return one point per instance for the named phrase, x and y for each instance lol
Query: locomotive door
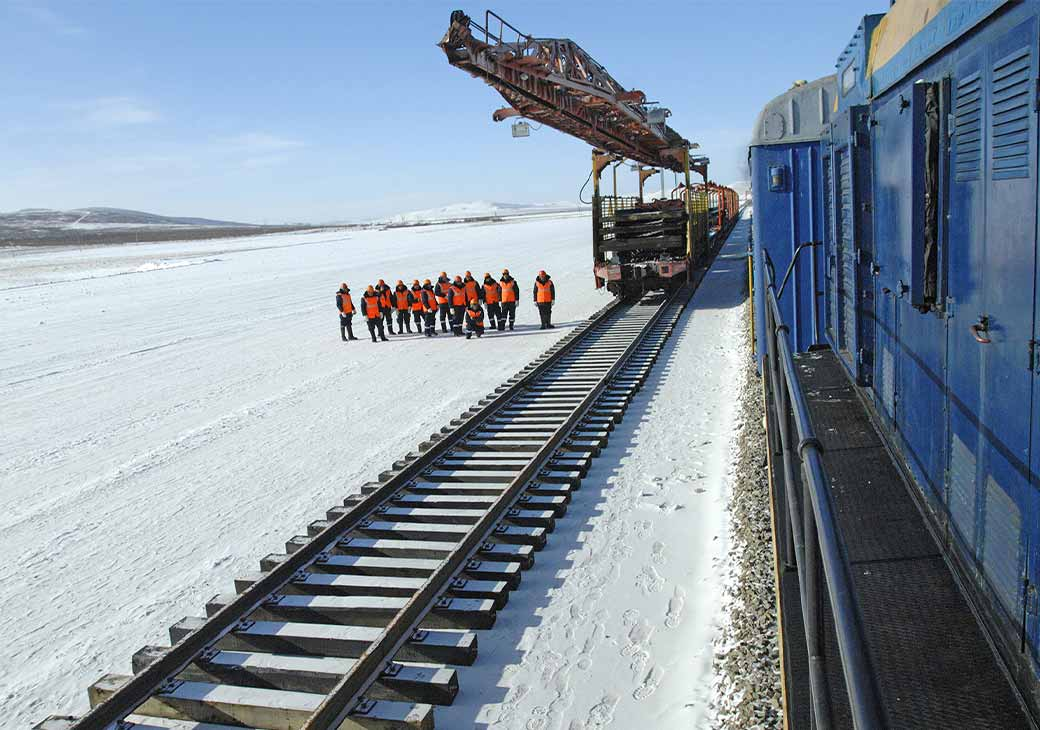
(992, 235)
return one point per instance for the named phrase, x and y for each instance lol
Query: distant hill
(87, 218)
(477, 210)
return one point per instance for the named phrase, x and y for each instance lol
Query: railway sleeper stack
(274, 666)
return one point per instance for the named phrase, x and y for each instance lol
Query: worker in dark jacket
(472, 287)
(544, 297)
(373, 309)
(457, 297)
(443, 299)
(346, 312)
(493, 301)
(474, 319)
(403, 306)
(431, 305)
(386, 304)
(510, 298)
(417, 306)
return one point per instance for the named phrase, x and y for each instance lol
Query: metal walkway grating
(933, 664)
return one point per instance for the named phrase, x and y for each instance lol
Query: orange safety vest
(384, 298)
(417, 305)
(544, 291)
(441, 292)
(430, 299)
(458, 295)
(372, 305)
(491, 293)
(472, 289)
(402, 300)
(509, 291)
(477, 315)
(346, 304)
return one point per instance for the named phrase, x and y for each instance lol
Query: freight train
(898, 197)
(641, 245)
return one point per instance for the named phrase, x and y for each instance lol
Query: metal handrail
(790, 266)
(809, 536)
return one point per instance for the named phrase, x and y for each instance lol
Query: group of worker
(460, 303)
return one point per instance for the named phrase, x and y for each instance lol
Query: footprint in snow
(657, 553)
(602, 714)
(649, 580)
(650, 683)
(675, 608)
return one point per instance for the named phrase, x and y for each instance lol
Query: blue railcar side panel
(784, 220)
(964, 413)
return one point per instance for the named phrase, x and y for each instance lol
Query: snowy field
(173, 412)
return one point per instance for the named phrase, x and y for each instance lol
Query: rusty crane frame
(554, 82)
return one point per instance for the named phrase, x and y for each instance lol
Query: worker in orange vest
(443, 299)
(472, 287)
(493, 300)
(544, 297)
(346, 312)
(373, 308)
(457, 298)
(417, 306)
(431, 304)
(474, 319)
(510, 298)
(386, 305)
(403, 305)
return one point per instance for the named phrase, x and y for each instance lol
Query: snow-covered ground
(483, 209)
(173, 412)
(614, 624)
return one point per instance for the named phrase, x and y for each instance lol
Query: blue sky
(318, 111)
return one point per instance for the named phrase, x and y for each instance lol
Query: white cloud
(117, 111)
(49, 19)
(263, 142)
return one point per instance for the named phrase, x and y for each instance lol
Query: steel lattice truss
(554, 82)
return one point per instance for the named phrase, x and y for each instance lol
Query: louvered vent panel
(1009, 116)
(967, 127)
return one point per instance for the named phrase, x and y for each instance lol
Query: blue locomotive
(895, 209)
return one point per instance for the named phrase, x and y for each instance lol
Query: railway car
(643, 245)
(897, 202)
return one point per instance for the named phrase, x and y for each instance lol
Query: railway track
(361, 621)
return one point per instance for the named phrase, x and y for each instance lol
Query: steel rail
(339, 703)
(135, 692)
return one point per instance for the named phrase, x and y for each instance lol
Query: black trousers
(445, 310)
(373, 325)
(494, 313)
(417, 316)
(431, 324)
(508, 312)
(388, 319)
(403, 322)
(458, 316)
(474, 329)
(346, 328)
(545, 313)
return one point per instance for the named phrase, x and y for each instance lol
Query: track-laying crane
(637, 246)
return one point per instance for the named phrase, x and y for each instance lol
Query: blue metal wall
(964, 414)
(783, 220)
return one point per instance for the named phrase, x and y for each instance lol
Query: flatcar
(898, 197)
(641, 245)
